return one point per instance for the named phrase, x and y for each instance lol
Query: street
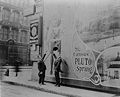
(8, 90)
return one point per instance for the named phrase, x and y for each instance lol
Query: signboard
(34, 33)
(90, 41)
(83, 61)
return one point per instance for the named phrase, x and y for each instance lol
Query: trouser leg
(16, 73)
(58, 80)
(43, 78)
(40, 79)
(57, 77)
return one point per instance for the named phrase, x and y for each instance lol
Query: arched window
(16, 16)
(0, 13)
(24, 36)
(5, 32)
(6, 13)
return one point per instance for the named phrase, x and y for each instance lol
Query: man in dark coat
(7, 72)
(57, 66)
(42, 69)
(17, 69)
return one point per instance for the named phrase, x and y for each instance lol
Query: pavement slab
(62, 90)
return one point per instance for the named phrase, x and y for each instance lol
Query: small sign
(34, 32)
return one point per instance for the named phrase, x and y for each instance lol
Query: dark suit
(42, 69)
(17, 69)
(57, 70)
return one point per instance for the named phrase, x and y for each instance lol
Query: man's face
(39, 57)
(56, 53)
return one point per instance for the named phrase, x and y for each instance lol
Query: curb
(41, 89)
(89, 88)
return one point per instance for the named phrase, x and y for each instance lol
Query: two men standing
(57, 67)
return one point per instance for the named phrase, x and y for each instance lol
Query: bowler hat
(55, 48)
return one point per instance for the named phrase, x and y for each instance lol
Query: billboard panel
(34, 32)
(89, 32)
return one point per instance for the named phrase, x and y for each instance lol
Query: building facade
(19, 3)
(14, 35)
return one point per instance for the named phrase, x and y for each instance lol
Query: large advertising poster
(83, 61)
(89, 31)
(34, 41)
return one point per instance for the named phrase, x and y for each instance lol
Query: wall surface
(88, 34)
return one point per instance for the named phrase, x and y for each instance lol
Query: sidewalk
(63, 90)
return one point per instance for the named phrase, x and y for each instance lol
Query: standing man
(7, 72)
(42, 69)
(57, 65)
(17, 64)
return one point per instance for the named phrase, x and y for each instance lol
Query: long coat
(16, 66)
(41, 66)
(57, 65)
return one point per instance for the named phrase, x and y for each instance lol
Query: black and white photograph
(59, 48)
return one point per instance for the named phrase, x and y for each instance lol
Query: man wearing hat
(42, 69)
(57, 65)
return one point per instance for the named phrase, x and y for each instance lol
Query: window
(25, 21)
(0, 13)
(1, 33)
(12, 17)
(5, 33)
(6, 14)
(11, 35)
(15, 31)
(16, 16)
(21, 18)
(20, 36)
(116, 74)
(24, 36)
